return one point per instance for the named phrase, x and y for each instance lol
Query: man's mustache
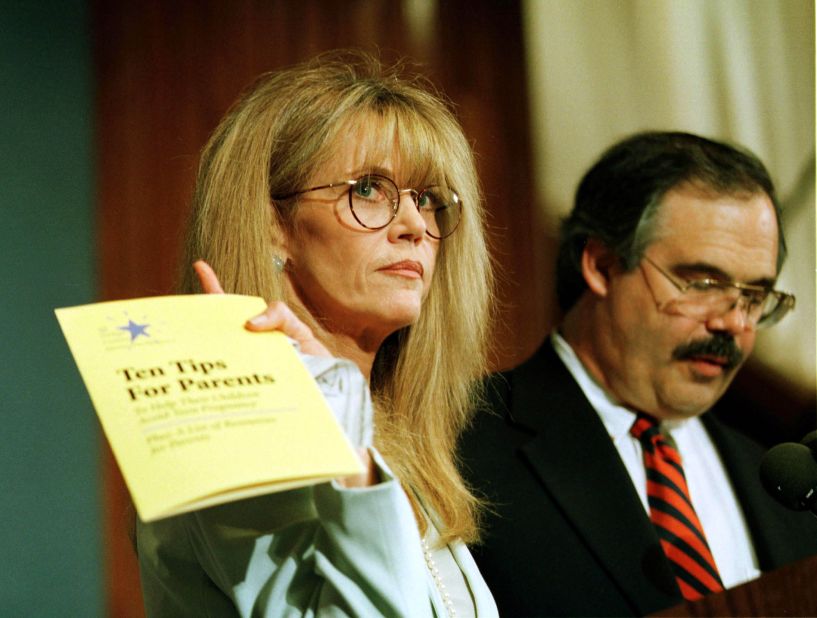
(719, 344)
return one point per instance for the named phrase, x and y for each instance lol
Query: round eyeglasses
(374, 201)
(705, 299)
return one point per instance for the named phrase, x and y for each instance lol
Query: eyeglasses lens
(372, 199)
(440, 209)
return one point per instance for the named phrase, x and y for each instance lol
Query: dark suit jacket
(568, 535)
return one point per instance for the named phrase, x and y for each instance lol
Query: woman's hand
(280, 317)
(276, 317)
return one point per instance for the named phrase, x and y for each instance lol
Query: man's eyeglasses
(374, 201)
(705, 299)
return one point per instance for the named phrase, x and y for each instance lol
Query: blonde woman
(347, 196)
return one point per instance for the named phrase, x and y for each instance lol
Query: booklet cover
(198, 410)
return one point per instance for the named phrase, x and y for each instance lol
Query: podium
(788, 591)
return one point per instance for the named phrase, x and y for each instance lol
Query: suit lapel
(576, 462)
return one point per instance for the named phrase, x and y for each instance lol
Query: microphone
(788, 471)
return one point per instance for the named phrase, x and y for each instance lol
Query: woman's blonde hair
(426, 376)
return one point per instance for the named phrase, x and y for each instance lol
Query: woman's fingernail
(258, 320)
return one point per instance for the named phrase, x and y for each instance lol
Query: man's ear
(597, 262)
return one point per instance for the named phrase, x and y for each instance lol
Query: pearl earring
(278, 263)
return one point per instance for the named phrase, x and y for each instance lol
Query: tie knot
(645, 429)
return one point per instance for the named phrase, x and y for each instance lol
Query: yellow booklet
(198, 410)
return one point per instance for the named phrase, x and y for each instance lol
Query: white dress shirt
(709, 487)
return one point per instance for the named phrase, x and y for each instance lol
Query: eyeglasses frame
(784, 298)
(415, 196)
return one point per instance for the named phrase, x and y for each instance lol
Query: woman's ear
(280, 257)
(597, 262)
(279, 245)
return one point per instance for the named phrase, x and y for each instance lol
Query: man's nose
(735, 321)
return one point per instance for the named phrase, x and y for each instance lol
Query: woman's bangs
(406, 139)
(421, 151)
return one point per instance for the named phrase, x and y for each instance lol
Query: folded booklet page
(199, 411)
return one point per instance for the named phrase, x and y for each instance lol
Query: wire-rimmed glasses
(375, 199)
(705, 299)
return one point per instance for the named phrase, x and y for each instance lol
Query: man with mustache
(610, 491)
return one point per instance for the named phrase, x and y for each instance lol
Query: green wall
(50, 540)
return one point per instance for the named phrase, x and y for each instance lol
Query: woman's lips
(406, 268)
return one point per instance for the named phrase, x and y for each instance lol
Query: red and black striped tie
(672, 514)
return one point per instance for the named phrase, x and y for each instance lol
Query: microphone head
(788, 471)
(811, 441)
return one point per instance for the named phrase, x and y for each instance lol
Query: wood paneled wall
(167, 71)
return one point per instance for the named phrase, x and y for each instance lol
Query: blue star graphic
(135, 329)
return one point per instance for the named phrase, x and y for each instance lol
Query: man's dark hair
(618, 198)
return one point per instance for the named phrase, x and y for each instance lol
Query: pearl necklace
(438, 580)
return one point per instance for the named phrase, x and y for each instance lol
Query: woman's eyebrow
(369, 169)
